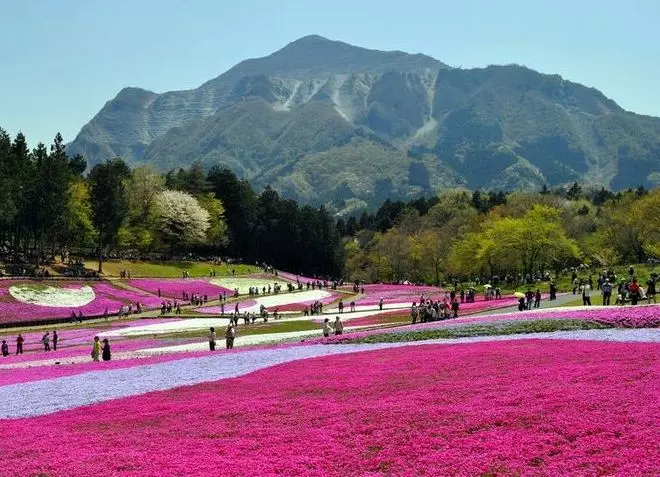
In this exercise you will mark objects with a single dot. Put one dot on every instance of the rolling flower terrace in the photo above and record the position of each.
(492, 392)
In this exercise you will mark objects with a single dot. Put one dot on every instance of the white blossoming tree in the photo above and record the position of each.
(181, 219)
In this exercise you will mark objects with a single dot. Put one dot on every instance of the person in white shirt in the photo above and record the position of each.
(586, 294)
(212, 339)
(327, 329)
(339, 326)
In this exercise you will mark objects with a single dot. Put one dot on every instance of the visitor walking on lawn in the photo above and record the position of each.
(5, 348)
(19, 344)
(45, 339)
(212, 339)
(55, 338)
(339, 326)
(96, 349)
(230, 334)
(105, 354)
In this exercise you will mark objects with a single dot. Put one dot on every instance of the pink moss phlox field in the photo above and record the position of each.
(395, 293)
(550, 408)
(107, 297)
(174, 288)
(292, 277)
(643, 316)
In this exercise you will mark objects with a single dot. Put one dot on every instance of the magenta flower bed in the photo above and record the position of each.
(396, 294)
(647, 316)
(520, 408)
(293, 277)
(107, 297)
(174, 288)
(644, 316)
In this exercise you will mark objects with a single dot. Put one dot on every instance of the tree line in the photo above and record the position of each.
(48, 206)
(463, 234)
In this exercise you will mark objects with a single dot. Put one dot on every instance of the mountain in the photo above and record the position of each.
(323, 121)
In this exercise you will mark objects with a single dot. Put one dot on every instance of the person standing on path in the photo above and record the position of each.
(633, 290)
(327, 329)
(55, 338)
(537, 298)
(5, 348)
(380, 304)
(606, 290)
(586, 294)
(19, 344)
(106, 350)
(45, 339)
(230, 334)
(650, 288)
(96, 349)
(339, 326)
(414, 313)
(212, 339)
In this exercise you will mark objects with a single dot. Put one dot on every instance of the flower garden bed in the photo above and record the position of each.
(243, 284)
(175, 288)
(60, 306)
(519, 408)
(642, 316)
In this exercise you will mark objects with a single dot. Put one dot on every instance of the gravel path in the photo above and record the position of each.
(47, 396)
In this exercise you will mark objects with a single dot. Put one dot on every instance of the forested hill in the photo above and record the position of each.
(323, 121)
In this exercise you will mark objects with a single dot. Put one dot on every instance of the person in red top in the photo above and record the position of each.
(633, 289)
(19, 344)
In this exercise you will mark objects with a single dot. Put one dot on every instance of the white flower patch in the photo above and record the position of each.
(53, 296)
(244, 283)
(271, 301)
(370, 309)
(177, 326)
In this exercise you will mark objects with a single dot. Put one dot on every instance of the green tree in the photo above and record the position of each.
(109, 201)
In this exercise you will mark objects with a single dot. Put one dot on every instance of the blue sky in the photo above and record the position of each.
(61, 61)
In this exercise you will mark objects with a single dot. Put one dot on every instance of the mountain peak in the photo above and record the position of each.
(314, 55)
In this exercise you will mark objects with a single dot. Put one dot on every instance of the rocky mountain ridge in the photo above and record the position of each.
(323, 121)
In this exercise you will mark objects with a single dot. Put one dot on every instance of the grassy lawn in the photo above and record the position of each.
(245, 330)
(521, 327)
(112, 268)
